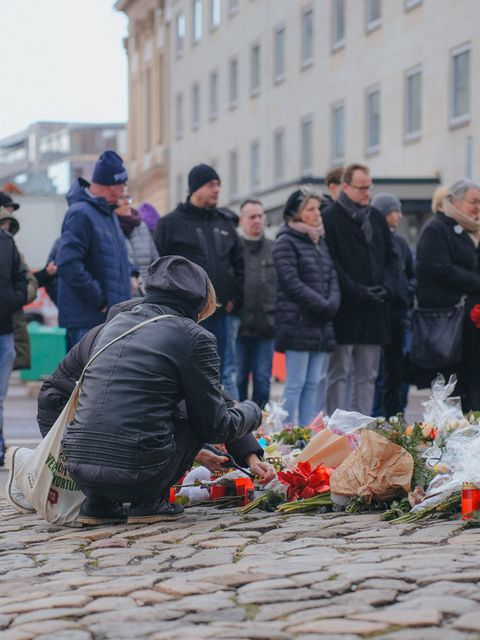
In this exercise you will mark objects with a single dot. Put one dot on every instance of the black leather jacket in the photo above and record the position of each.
(125, 419)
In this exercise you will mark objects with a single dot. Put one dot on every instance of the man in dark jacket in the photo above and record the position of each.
(257, 319)
(392, 397)
(13, 288)
(204, 234)
(126, 443)
(92, 261)
(361, 246)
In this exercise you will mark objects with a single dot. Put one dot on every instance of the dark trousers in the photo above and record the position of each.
(254, 357)
(187, 445)
(390, 396)
(217, 324)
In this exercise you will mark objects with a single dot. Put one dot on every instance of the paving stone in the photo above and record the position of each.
(109, 604)
(47, 614)
(468, 621)
(421, 617)
(222, 542)
(276, 595)
(66, 600)
(447, 604)
(339, 625)
(68, 634)
(432, 633)
(148, 596)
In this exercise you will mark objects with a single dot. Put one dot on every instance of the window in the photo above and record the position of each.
(278, 156)
(214, 14)
(413, 104)
(255, 76)
(213, 94)
(279, 55)
(179, 34)
(179, 116)
(306, 148)
(255, 166)
(197, 21)
(338, 133)
(307, 37)
(338, 23)
(233, 85)
(147, 96)
(373, 120)
(195, 107)
(233, 7)
(460, 101)
(411, 4)
(179, 187)
(374, 14)
(233, 173)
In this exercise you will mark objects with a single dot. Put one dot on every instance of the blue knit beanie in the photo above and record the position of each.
(109, 169)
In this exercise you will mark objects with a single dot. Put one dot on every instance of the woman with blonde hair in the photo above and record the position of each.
(447, 271)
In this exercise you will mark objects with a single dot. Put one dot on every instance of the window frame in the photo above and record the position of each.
(213, 95)
(196, 106)
(180, 40)
(339, 44)
(408, 5)
(376, 23)
(278, 155)
(412, 136)
(464, 118)
(279, 75)
(375, 148)
(197, 21)
(233, 99)
(179, 116)
(257, 89)
(212, 25)
(306, 170)
(307, 61)
(233, 175)
(337, 160)
(255, 166)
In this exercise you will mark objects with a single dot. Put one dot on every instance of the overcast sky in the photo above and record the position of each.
(61, 60)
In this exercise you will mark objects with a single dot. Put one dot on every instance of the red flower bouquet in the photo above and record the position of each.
(302, 482)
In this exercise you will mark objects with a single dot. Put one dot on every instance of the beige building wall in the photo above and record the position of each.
(380, 54)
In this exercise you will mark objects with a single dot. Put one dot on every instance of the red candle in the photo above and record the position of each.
(171, 497)
(470, 500)
(217, 491)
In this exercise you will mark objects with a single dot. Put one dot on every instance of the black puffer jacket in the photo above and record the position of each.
(447, 264)
(258, 312)
(124, 422)
(208, 238)
(308, 293)
(13, 282)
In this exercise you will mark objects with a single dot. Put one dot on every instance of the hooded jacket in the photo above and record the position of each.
(13, 283)
(124, 427)
(208, 238)
(308, 294)
(93, 266)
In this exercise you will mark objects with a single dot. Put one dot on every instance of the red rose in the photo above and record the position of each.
(475, 315)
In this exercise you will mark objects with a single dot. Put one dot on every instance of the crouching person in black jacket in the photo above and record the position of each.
(127, 442)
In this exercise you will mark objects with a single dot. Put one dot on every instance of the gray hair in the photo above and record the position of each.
(307, 192)
(459, 188)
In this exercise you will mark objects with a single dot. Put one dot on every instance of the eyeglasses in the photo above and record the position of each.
(474, 203)
(370, 187)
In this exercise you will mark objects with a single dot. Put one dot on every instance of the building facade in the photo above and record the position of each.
(47, 157)
(276, 92)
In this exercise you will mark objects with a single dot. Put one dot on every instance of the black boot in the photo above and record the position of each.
(98, 511)
(156, 510)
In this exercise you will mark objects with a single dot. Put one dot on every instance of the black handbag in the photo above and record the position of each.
(437, 336)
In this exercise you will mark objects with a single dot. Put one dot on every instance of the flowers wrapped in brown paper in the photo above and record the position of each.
(325, 448)
(378, 469)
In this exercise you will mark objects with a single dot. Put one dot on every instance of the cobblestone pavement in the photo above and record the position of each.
(218, 574)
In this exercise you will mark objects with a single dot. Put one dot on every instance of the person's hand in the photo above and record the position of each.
(377, 294)
(263, 470)
(51, 268)
(211, 461)
(229, 306)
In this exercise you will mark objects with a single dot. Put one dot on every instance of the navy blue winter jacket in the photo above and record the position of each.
(308, 295)
(92, 260)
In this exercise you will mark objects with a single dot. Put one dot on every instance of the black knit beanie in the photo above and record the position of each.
(200, 175)
(292, 205)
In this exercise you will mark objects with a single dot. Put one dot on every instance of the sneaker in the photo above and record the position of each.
(150, 511)
(98, 512)
(14, 457)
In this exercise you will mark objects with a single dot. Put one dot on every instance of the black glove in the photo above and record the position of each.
(377, 294)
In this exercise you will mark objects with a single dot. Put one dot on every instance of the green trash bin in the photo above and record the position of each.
(48, 348)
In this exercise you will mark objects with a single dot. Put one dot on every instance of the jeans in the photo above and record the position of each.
(229, 369)
(7, 358)
(254, 356)
(75, 335)
(306, 375)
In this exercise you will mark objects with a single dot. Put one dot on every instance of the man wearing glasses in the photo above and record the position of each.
(361, 246)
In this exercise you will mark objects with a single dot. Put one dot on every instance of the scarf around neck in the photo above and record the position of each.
(314, 233)
(471, 226)
(358, 213)
(128, 223)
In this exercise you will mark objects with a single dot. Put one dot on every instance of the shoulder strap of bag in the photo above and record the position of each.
(125, 333)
